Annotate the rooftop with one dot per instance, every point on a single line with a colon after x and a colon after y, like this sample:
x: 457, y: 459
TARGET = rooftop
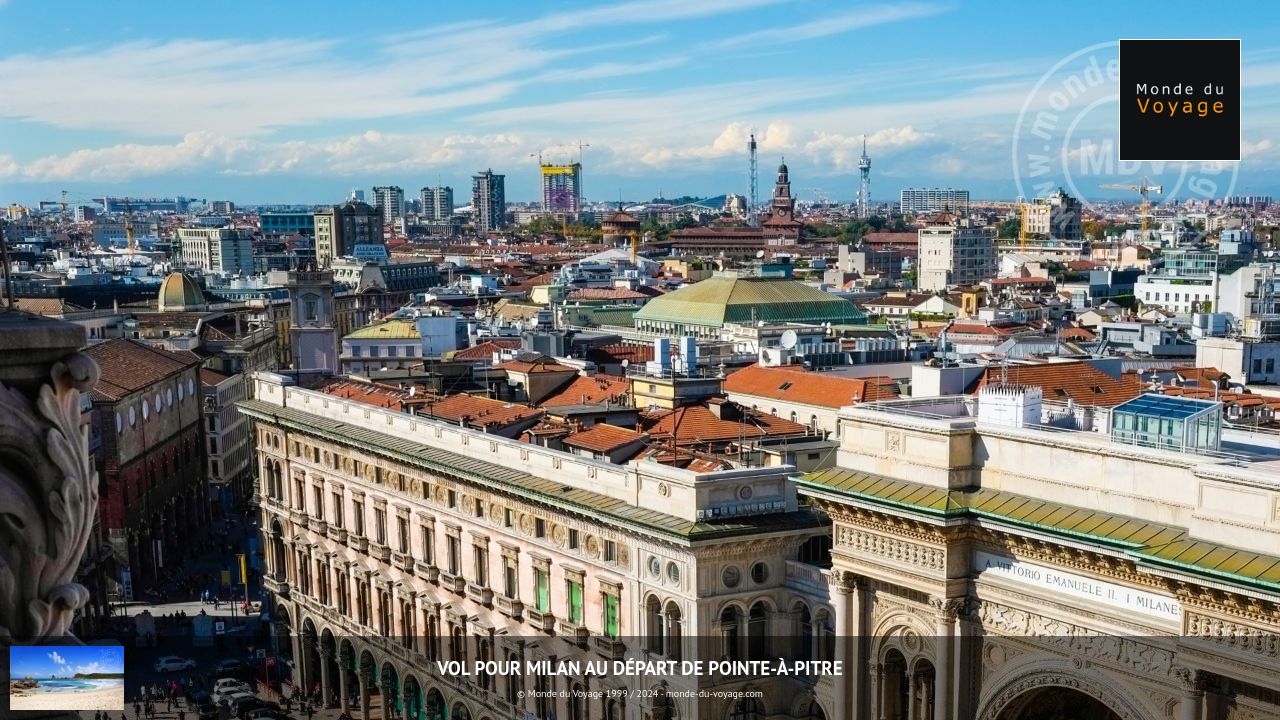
x: 808, y: 388
x: 390, y: 329
x: 128, y: 366
x: 730, y: 298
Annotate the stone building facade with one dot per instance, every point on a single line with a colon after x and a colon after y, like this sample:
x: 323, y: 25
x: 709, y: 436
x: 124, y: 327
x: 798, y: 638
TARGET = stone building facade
x: 395, y: 541
x: 1006, y: 571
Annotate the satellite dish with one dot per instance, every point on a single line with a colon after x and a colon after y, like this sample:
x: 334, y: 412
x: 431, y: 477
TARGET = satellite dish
x: 789, y: 339
x: 759, y: 253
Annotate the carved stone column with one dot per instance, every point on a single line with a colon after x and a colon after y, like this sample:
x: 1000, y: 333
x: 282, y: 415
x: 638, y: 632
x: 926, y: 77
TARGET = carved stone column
x: 842, y: 602
x: 48, y: 483
x: 947, y: 609
x: 1191, y: 704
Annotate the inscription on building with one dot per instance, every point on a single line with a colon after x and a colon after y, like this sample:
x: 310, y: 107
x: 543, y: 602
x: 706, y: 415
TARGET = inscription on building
x: 1066, y: 583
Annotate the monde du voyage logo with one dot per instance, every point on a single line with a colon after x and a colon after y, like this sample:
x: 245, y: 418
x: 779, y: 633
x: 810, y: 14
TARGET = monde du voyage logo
x: 1180, y: 100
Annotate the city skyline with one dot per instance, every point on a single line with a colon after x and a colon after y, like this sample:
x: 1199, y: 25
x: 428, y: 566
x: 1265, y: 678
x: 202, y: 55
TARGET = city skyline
x: 278, y: 107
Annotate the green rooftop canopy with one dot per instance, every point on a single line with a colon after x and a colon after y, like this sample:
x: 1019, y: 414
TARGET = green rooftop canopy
x: 729, y: 299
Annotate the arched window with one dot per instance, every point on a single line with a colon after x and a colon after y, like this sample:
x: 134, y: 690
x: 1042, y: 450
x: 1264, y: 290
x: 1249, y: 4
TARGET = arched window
x: 577, y: 709
x: 731, y: 633
x: 655, y: 624
x: 794, y: 417
x: 802, y: 632
x: 758, y: 631
x: 675, y: 631
x: 825, y: 629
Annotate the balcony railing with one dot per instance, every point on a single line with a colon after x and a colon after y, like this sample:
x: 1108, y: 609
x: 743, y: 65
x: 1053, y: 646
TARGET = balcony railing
x: 430, y: 573
x: 806, y: 578
x: 574, y: 632
x: 545, y: 622
x: 453, y: 583
x: 510, y: 607
x: 480, y: 594
x: 609, y: 648
x: 337, y: 533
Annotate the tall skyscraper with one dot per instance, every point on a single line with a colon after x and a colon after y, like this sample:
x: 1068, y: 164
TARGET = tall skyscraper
x: 437, y: 202
x: 389, y: 199
x: 489, y: 201
x: 562, y: 188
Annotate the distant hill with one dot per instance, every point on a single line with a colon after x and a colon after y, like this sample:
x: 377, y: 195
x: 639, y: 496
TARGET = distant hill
x: 99, y: 676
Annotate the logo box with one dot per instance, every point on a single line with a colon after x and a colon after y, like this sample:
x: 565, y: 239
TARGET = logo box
x: 1180, y: 100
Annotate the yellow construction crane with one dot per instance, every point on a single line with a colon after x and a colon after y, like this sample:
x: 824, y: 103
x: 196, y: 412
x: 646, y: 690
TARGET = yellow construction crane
x: 1144, y: 211
x: 1022, y: 227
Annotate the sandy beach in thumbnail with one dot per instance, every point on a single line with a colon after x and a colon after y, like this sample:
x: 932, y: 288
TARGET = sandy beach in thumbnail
x: 108, y: 697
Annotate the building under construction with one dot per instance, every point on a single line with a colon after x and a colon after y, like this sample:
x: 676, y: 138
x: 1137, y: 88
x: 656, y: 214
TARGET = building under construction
x: 562, y: 189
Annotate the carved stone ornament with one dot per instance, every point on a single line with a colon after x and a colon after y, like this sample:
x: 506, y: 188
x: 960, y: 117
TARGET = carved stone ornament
x: 48, y: 484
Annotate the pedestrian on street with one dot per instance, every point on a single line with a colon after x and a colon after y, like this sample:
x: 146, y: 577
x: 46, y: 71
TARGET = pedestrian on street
x: 311, y: 711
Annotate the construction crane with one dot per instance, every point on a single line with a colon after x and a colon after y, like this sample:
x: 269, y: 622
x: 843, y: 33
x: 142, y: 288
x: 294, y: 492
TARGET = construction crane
x: 1022, y: 227
x: 1144, y: 211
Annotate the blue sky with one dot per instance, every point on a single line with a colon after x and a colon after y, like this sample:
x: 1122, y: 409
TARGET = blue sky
x: 64, y: 660
x: 300, y: 101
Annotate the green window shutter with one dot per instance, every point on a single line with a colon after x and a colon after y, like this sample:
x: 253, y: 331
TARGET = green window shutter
x: 575, y: 603
x: 544, y: 591
x: 611, y: 615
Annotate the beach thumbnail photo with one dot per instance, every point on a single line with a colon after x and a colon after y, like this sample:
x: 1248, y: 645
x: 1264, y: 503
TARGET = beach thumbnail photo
x: 66, y: 677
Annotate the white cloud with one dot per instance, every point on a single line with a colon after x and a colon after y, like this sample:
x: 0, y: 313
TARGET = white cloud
x: 858, y: 19
x: 93, y: 667
x: 239, y: 88
x: 56, y: 658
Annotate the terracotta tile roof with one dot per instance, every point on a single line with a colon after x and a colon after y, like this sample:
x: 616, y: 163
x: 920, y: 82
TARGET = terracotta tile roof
x: 604, y: 438
x: 617, y: 353
x: 595, y: 390
x: 808, y: 388
x: 1077, y: 381
x: 368, y: 393
x: 129, y: 366
x: 211, y: 377
x: 1080, y: 265
x: 698, y: 425
x: 543, y: 364
x: 1208, y: 377
x: 1075, y: 333
x: 478, y: 412
x: 486, y: 349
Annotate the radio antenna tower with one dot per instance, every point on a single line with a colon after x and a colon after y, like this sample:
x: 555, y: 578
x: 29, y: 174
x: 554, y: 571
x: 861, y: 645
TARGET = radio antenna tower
x: 754, y: 201
x: 864, y: 189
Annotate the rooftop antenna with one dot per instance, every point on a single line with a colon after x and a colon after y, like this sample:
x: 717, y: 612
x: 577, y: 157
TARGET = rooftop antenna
x: 864, y: 188
x: 754, y: 202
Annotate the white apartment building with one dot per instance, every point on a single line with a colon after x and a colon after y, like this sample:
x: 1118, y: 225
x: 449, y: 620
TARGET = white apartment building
x: 956, y: 251
x: 395, y: 541
x: 389, y: 201
x: 225, y: 250
x: 927, y: 200
x: 437, y: 203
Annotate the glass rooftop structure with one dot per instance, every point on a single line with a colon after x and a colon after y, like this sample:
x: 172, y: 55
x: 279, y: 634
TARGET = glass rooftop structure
x: 1175, y: 423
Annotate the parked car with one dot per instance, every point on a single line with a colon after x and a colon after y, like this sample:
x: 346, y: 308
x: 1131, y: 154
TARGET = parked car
x: 227, y: 682
x: 226, y: 697
x: 173, y: 663
x: 242, y: 707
